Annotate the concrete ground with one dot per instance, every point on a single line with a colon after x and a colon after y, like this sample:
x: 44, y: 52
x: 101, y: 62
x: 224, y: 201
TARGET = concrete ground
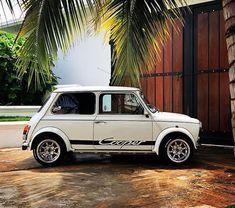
x: 130, y: 181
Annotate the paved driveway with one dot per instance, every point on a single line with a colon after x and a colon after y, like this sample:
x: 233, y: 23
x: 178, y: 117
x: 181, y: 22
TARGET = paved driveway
x: 131, y: 181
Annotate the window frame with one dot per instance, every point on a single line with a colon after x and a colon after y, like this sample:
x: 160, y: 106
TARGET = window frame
x: 122, y: 114
x: 82, y: 92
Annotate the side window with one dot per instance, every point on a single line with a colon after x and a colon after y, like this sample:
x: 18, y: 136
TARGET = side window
x: 75, y: 103
x: 119, y: 104
x: 106, y: 103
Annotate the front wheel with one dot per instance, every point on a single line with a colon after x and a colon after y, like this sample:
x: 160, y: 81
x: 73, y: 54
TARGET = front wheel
x: 48, y: 152
x: 178, y: 150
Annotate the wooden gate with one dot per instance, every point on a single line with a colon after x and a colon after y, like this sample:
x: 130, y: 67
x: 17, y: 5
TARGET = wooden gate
x: 164, y: 86
x: 192, y: 76
x: 211, y: 65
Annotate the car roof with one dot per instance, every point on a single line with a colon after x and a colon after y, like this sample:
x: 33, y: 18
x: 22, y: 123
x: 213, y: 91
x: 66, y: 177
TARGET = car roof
x: 94, y: 89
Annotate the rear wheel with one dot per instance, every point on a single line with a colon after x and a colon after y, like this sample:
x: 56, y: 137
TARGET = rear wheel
x: 177, y: 149
x: 49, y: 151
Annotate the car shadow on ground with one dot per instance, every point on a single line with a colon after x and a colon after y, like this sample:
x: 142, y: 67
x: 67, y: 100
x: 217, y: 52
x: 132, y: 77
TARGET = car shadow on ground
x: 205, y: 158
x: 148, y: 162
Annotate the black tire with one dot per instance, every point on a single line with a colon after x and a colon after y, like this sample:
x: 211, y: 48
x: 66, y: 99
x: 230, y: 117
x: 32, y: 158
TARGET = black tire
x: 59, y: 151
x: 177, y: 149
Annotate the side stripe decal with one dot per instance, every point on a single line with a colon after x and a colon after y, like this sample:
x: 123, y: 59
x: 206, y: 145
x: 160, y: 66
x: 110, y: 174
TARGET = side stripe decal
x: 97, y: 142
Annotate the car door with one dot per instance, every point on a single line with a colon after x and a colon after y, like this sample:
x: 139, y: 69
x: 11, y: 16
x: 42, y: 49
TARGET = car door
x: 74, y: 114
x: 121, y: 124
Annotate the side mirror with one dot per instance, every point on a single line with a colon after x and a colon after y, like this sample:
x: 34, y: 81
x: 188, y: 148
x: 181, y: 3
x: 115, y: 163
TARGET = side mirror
x: 146, y: 113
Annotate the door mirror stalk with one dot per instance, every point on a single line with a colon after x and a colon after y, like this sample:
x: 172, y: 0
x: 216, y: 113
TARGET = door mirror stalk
x: 146, y: 113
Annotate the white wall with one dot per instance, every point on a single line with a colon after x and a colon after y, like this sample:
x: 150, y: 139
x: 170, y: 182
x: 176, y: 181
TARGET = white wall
x: 11, y: 134
x: 86, y: 63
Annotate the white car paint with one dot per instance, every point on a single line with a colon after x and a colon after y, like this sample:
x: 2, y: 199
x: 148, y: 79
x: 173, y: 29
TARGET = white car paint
x: 110, y: 133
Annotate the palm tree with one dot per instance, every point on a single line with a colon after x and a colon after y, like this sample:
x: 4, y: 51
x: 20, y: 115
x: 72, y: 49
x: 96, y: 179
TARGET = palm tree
x: 134, y: 26
x: 229, y: 17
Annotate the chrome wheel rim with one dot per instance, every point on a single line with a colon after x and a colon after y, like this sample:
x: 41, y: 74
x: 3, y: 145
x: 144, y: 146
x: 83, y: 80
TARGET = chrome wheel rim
x: 48, y: 151
x: 178, y: 150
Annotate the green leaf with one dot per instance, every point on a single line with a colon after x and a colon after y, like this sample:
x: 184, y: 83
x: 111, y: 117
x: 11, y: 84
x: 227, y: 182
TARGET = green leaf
x: 13, y: 89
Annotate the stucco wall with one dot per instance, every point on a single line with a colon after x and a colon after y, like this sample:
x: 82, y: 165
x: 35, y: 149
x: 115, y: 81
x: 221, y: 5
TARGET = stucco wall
x: 11, y: 134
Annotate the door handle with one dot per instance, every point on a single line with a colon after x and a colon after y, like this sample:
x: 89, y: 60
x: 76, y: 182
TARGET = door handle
x: 100, y: 122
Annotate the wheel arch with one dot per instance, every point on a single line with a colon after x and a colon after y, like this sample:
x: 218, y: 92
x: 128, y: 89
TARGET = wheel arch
x: 172, y: 131
x: 52, y: 132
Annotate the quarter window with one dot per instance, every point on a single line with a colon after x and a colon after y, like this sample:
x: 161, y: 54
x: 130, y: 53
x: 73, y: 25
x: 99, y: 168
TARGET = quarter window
x: 75, y: 103
x: 120, y: 104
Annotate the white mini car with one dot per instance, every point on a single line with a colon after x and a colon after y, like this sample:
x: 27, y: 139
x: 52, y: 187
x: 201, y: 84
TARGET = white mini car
x: 107, y: 120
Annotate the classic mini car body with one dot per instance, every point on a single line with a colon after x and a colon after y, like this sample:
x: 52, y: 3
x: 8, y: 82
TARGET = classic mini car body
x: 107, y: 120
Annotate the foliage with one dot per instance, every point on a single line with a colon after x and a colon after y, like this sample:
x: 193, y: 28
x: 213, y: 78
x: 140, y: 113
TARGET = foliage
x: 48, y: 27
x: 14, y: 118
x: 15, y: 90
x: 136, y: 27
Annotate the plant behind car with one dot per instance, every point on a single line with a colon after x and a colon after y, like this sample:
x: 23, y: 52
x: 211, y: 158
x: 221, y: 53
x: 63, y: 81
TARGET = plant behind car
x: 15, y: 90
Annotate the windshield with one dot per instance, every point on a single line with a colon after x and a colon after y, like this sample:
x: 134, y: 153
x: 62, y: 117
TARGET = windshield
x: 151, y: 107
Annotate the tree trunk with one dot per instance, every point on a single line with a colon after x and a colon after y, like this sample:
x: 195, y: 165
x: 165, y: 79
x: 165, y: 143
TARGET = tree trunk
x: 229, y: 17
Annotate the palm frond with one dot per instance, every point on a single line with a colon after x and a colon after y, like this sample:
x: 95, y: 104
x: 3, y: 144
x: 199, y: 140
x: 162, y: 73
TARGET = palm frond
x: 137, y: 29
x: 49, y: 25
x: 10, y: 5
